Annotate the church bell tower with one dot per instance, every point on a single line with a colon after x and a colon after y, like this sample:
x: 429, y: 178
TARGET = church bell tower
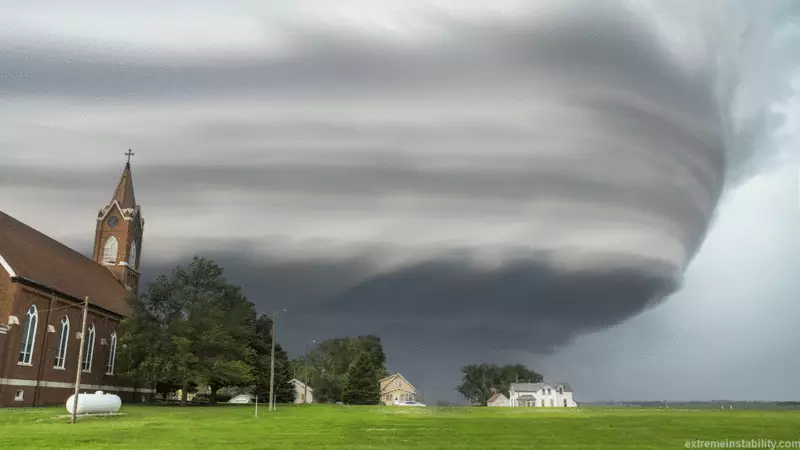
x: 118, y: 237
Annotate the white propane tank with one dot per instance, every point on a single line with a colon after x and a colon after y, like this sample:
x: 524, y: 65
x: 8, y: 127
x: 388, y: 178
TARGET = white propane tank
x: 97, y: 403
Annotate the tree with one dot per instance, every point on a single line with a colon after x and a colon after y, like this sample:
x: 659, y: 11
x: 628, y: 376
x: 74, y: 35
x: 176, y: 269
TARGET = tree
x: 477, y: 383
x: 284, y: 389
x: 329, y: 364
x: 191, y: 328
x: 144, y: 352
x: 372, y: 347
x: 481, y: 380
x: 515, y: 373
x: 362, y: 386
x: 217, y: 319
x: 222, y: 330
x: 260, y: 365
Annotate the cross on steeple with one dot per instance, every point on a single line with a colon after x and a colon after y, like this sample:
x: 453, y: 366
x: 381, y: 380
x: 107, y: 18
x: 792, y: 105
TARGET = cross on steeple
x: 129, y: 153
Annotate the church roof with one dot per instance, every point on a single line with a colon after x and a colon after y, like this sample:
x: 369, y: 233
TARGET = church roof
x: 124, y: 192
x: 39, y: 258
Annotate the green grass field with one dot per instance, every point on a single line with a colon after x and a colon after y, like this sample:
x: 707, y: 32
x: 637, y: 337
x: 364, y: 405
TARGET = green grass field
x: 343, y: 427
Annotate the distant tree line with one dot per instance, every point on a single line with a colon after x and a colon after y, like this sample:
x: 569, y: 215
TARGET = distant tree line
x: 344, y: 370
x: 194, y: 329
x: 481, y: 381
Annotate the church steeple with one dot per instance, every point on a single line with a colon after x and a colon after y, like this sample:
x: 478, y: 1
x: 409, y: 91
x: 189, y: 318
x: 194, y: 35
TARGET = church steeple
x: 118, y: 236
x: 124, y: 192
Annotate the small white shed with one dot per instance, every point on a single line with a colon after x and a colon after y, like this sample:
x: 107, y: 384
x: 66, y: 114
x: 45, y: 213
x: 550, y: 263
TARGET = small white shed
x: 498, y: 399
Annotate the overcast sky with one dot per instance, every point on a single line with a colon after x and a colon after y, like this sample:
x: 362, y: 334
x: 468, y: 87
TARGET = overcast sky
x: 606, y: 191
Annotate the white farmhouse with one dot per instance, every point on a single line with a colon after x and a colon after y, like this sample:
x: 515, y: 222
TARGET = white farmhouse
x: 541, y: 395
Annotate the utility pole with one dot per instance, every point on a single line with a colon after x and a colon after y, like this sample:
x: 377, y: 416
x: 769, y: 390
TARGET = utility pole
x: 80, y: 361
x: 305, y: 384
x: 272, y: 365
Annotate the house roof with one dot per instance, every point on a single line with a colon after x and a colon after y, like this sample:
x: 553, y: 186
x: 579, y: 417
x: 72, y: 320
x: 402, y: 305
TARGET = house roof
x: 296, y: 381
x: 532, y: 387
x: 390, y: 377
x: 526, y: 387
x: 496, y: 396
x: 567, y: 387
x: 36, y: 257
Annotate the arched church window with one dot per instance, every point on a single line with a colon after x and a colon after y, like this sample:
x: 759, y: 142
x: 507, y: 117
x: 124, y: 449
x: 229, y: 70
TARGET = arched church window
x: 88, y: 349
x: 112, y: 354
x: 28, y: 336
x: 132, y: 255
x: 63, y: 340
x: 110, y: 250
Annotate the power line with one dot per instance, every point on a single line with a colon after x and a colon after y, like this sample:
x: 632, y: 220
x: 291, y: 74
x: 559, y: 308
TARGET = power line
x: 60, y: 307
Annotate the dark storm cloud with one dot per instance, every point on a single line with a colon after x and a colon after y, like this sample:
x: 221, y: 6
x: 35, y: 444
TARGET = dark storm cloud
x: 523, y: 304
x: 522, y: 288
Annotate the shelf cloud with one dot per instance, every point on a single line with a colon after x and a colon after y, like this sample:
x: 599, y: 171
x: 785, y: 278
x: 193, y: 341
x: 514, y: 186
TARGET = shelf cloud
x: 502, y: 176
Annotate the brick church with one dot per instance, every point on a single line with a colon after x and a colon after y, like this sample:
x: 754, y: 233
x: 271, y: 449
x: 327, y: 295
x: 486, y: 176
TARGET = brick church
x: 43, y: 284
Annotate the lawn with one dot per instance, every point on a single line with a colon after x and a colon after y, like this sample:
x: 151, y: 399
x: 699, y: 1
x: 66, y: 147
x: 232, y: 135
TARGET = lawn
x: 343, y: 427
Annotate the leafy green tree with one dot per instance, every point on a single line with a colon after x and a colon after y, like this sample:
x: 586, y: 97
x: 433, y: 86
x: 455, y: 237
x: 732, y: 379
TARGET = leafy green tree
x: 329, y: 364
x: 481, y: 380
x: 144, y: 351
x: 148, y: 332
x: 477, y: 382
x: 218, y: 319
x: 191, y: 328
x: 372, y: 347
x: 362, y: 386
x: 184, y: 361
x: 260, y: 365
x: 514, y: 373
x: 284, y: 389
